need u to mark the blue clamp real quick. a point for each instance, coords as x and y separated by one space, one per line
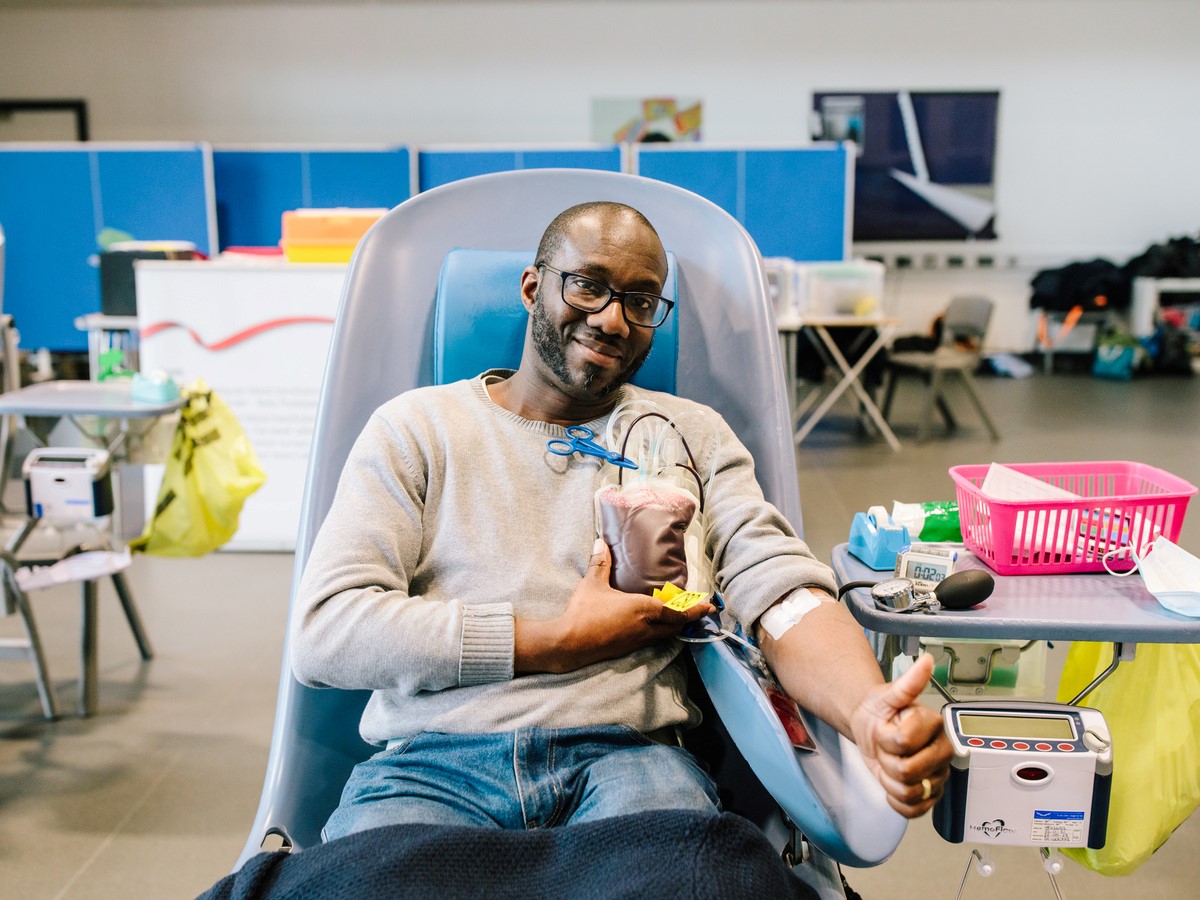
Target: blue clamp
877 543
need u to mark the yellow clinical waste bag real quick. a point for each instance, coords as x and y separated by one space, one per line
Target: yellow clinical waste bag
1152 706
210 472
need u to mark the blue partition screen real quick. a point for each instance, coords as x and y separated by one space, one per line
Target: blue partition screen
795 202
255 187
438 167
54 202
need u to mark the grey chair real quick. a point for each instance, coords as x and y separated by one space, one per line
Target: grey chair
959 354
394 316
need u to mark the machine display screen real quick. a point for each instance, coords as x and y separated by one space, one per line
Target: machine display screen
1057 728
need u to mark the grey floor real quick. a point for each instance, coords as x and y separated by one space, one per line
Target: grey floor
153 795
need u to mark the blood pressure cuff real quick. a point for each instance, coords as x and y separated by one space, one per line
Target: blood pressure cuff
645 527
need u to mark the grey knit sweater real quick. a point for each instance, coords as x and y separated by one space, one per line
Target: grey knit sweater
451 517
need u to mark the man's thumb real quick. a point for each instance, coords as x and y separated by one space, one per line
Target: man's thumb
601 560
904 690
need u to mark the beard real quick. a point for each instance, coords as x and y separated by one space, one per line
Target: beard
551 348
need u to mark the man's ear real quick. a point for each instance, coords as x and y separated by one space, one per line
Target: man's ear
530 279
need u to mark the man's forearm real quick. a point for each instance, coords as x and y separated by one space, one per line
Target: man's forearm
824 662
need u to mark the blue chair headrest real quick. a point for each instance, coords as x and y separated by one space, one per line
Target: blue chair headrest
479 322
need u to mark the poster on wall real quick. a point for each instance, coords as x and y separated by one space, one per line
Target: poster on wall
649 120
926 161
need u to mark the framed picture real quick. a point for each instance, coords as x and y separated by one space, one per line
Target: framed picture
925 166
647 120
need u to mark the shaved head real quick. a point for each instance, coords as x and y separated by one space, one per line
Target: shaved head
557 231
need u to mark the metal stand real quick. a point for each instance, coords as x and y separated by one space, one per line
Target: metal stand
89 669
1051 862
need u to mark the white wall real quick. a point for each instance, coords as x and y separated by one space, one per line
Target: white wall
1099 117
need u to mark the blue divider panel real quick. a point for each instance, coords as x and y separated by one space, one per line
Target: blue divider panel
795 202
438 167
255 187
55 200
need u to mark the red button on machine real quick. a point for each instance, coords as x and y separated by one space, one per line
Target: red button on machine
1066 747
999 745
1043 747
1020 745
976 742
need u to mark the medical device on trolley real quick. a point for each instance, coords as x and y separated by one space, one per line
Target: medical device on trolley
1026 773
68 483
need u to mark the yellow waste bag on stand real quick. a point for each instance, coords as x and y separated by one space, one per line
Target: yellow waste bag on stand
210 472
1152 706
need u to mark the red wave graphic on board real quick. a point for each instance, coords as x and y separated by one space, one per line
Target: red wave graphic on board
239 336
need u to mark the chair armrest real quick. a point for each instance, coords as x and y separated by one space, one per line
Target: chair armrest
829 795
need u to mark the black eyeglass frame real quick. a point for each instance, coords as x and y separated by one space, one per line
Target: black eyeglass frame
613 296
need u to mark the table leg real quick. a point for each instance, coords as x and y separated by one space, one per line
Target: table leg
89 668
131 613
854 383
45 686
788 341
850 379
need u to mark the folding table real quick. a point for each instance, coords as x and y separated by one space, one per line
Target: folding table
790 327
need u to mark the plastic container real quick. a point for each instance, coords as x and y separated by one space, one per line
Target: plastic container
850 288
325 235
1120 504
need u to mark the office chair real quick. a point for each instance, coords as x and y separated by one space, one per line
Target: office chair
409 317
958 355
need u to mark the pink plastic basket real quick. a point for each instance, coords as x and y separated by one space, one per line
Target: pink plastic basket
1121 504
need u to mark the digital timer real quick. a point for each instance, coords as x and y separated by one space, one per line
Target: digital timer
925 565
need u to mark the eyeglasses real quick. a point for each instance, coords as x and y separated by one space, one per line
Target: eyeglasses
592 296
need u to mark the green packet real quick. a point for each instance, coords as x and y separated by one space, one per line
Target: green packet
929 522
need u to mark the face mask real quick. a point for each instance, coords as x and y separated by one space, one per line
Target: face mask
1170 573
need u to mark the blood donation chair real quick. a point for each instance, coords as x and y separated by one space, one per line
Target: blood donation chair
415 313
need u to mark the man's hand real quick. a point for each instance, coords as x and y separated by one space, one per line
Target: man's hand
903 741
598 623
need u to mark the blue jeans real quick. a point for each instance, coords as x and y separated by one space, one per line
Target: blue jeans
524 779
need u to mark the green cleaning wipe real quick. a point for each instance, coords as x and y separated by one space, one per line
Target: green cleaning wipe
929 522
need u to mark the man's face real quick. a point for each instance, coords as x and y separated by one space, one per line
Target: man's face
590 355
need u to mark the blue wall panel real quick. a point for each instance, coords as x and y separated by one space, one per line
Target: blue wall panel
438 167
155 195
359 178
713 174
255 187
54 201
793 201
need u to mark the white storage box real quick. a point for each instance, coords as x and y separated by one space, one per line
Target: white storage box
850 288
68 483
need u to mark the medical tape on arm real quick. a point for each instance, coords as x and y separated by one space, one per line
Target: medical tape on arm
788 612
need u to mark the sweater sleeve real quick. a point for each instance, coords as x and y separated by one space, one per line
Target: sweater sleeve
757 556
354 623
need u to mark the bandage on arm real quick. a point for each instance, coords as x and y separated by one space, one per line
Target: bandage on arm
787 613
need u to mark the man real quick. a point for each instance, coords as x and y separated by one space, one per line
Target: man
457 578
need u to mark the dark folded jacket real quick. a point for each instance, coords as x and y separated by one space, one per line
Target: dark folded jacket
666 854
